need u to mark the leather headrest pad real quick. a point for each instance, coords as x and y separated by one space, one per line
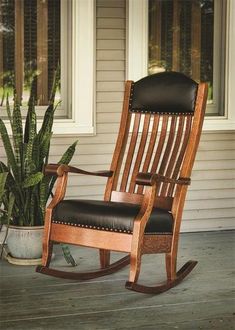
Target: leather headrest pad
165 92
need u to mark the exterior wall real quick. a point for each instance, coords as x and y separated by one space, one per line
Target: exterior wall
210 202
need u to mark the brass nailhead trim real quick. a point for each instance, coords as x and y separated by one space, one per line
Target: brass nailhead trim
91 227
163 113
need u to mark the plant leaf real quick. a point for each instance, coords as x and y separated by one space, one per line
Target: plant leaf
45 145
44 188
10 207
32 180
67 255
28 159
65 159
31 108
8 149
3 178
17 131
8 110
68 155
54 85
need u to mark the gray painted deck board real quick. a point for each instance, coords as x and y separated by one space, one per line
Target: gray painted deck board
205 300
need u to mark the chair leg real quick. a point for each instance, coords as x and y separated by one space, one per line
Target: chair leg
173 277
135 263
170 266
47 253
104 258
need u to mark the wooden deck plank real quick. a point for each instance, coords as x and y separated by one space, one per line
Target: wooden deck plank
150 264
127 318
205 300
95 294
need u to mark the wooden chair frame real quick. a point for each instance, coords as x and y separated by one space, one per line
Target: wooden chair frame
136 243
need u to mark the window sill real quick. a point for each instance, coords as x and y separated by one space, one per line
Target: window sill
218 124
69 127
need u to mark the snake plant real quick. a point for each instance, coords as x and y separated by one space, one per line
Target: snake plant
24 190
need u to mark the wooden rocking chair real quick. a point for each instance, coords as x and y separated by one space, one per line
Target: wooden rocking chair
141 213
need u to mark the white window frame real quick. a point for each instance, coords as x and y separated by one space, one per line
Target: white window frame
83 72
137 58
80 102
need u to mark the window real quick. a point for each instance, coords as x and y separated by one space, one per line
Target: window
182 36
194 37
40 36
30 41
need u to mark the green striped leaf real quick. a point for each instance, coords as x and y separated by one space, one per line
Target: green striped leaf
11 184
49 114
45 145
43 191
10 207
68 155
55 84
8 110
8 148
67 255
30 121
36 152
65 159
32 180
47 122
28 159
17 130
3 178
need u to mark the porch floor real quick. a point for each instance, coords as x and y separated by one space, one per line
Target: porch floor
204 300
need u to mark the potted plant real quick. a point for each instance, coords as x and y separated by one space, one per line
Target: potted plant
24 189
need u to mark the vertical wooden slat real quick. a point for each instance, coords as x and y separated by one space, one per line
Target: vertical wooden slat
160 144
140 152
1 48
181 153
150 149
178 140
175 150
196 40
168 148
176 36
130 153
42 51
19 48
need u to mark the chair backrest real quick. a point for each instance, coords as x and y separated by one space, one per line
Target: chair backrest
159 133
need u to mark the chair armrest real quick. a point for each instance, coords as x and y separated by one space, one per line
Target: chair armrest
59 170
149 179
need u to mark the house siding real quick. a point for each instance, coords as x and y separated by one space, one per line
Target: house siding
210 203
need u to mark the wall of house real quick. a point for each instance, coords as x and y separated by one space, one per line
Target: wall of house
210 201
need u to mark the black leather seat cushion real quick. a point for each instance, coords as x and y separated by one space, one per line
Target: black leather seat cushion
111 216
165 92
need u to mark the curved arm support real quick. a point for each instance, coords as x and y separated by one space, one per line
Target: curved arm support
60 189
149 179
60 169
